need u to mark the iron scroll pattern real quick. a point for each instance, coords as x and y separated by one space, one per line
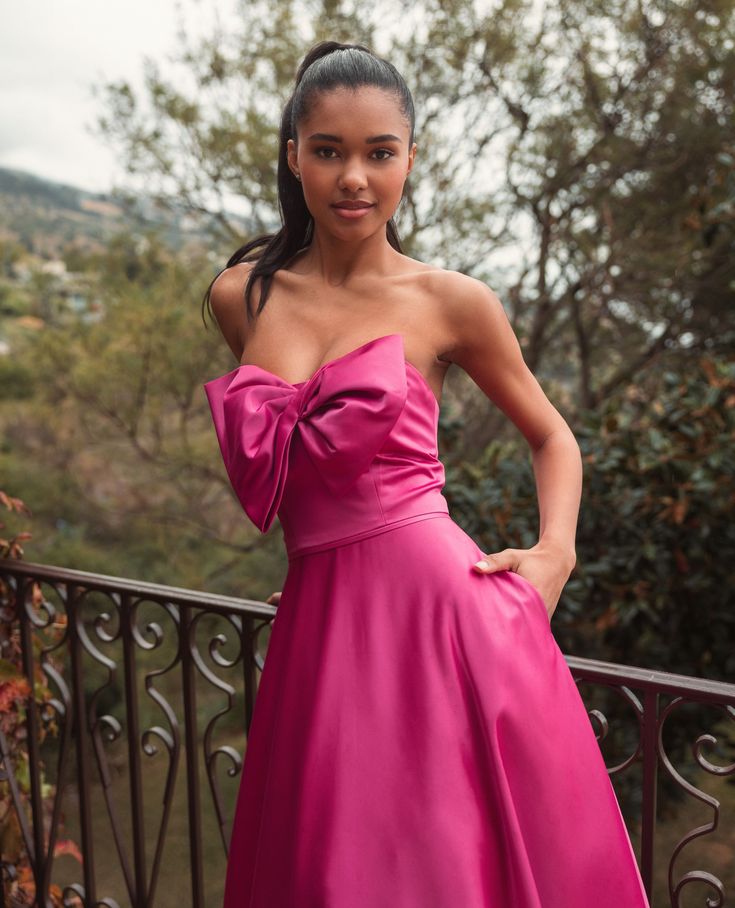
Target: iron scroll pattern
650 750
69 623
165 673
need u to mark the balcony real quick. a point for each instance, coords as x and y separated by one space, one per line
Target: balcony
118 789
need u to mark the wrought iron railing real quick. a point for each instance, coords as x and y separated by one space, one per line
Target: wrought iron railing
93 640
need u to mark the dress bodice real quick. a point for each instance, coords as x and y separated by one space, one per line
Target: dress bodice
348 453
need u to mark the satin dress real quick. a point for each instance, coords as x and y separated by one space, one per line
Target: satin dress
417 739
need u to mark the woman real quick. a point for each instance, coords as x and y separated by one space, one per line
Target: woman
417 740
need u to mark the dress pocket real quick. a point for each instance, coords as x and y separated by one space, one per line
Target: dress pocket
535 594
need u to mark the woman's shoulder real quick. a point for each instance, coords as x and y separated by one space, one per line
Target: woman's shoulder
459 295
459 285
443 278
227 299
229 283
466 310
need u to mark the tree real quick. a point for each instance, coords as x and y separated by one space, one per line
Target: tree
115 434
592 143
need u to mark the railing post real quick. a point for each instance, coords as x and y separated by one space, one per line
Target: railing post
130 680
188 681
248 643
650 786
81 735
38 857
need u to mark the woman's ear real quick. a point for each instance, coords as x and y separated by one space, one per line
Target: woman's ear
291 157
411 158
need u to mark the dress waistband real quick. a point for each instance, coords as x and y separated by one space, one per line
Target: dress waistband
298 551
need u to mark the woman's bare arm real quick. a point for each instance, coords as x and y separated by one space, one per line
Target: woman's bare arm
485 346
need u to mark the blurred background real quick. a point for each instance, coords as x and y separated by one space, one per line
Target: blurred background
577 156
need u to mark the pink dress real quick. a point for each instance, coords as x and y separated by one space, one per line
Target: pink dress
417 740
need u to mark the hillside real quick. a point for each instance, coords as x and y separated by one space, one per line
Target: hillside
45 217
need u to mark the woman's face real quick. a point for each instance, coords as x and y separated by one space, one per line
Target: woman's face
353 145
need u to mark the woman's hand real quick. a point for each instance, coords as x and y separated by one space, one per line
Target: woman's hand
274 598
546 566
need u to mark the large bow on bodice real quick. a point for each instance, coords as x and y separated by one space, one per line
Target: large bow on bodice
343 414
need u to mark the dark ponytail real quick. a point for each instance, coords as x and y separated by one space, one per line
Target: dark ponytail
326 66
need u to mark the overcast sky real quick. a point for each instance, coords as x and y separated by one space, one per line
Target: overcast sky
51 51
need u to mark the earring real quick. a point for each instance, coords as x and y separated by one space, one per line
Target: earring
298 177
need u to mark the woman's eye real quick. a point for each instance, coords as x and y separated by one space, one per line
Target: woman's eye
326 152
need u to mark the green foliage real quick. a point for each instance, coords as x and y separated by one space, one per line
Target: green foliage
16 381
656 538
657 527
112 443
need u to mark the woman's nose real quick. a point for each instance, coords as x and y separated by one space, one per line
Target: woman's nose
352 177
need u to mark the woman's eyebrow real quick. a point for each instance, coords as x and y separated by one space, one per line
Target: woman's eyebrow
328 137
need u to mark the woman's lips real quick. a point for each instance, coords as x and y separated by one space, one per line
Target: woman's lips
352 213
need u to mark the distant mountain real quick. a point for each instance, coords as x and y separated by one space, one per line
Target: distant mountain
20 184
45 216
